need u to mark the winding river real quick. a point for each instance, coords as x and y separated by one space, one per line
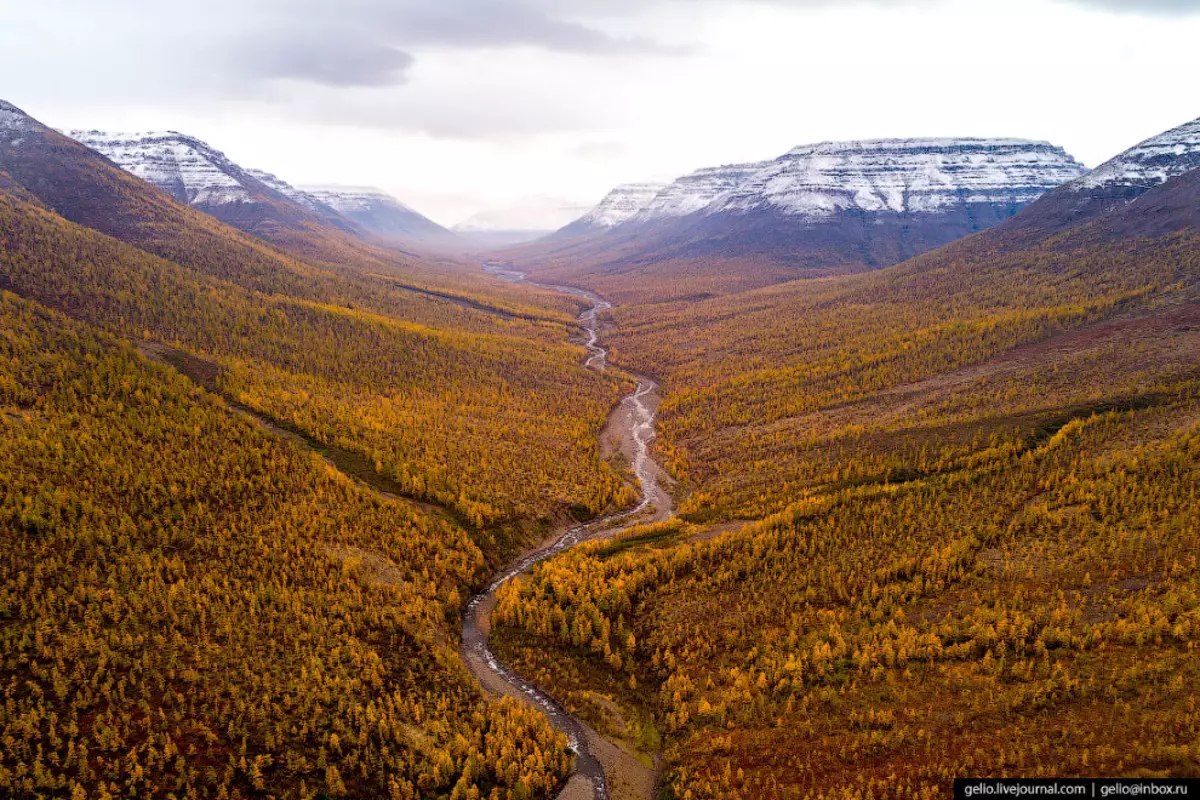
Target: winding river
655 503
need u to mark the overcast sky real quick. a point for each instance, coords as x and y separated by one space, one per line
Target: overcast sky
457 106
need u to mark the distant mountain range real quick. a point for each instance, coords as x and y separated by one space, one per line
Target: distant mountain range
259 202
828 207
819 209
195 173
379 212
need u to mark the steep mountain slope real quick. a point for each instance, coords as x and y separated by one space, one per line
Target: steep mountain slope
819 209
84 187
75 181
194 606
379 213
316 348
306 200
198 175
297 221
956 518
1117 182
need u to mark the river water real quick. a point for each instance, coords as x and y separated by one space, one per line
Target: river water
476 651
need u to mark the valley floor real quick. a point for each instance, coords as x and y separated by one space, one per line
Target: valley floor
603 769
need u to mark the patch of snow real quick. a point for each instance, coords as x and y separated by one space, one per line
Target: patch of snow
272 181
353 199
1153 162
622 204
695 191
14 123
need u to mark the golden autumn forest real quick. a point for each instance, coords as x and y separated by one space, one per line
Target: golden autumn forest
932 520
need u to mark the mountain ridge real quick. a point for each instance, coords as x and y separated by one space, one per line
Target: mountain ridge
197 174
824 208
378 212
1117 182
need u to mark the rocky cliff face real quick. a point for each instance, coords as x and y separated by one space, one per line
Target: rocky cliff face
13 122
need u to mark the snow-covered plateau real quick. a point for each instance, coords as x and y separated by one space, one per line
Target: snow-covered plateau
817 181
901 176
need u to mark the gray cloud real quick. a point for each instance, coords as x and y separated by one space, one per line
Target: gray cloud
337 60
412 24
485 23
444 112
381 63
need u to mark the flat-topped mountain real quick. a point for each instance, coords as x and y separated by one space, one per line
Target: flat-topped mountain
900 176
818 209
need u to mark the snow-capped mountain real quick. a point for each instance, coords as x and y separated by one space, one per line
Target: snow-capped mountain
1117 182
257 201
13 122
620 205
832 206
694 192
900 176
325 211
882 176
377 211
1146 165
287 190
184 167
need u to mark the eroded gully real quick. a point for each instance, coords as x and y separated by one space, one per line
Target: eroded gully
635 421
